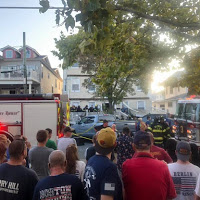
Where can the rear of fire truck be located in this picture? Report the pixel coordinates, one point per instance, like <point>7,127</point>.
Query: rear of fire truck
<point>26,114</point>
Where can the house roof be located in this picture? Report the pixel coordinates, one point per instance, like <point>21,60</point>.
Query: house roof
<point>176,98</point>
<point>31,49</point>
<point>9,47</point>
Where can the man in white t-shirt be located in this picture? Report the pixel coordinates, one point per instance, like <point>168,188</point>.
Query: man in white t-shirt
<point>184,173</point>
<point>65,141</point>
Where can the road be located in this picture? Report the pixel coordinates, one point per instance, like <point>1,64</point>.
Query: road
<point>82,148</point>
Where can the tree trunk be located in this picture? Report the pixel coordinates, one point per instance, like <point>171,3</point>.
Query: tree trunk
<point>111,107</point>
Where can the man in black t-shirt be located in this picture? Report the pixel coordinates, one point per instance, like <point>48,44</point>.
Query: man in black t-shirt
<point>101,176</point>
<point>16,181</point>
<point>59,185</point>
<point>104,125</point>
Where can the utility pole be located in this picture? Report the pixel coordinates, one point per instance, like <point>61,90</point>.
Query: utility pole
<point>24,63</point>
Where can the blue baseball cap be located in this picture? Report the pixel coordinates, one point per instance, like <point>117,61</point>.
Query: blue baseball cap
<point>142,139</point>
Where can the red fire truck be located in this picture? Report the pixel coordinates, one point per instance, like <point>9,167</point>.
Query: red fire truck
<point>26,114</point>
<point>187,121</point>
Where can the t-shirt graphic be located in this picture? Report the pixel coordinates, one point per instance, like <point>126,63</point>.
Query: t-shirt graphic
<point>61,193</point>
<point>184,184</point>
<point>185,179</point>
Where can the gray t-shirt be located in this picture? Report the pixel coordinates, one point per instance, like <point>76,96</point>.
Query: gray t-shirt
<point>39,157</point>
<point>185,178</point>
<point>64,142</point>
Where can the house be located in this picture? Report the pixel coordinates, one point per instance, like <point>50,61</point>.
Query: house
<point>41,78</point>
<point>171,94</point>
<point>73,78</point>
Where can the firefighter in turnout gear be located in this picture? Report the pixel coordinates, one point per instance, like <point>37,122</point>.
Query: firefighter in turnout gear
<point>161,131</point>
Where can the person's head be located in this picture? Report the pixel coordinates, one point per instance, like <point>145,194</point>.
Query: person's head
<point>57,160</point>
<point>126,131</point>
<point>140,119</point>
<point>142,141</point>
<point>4,140</point>
<point>71,157</point>
<point>42,136</point>
<point>113,127</point>
<point>162,120</point>
<point>68,131</point>
<point>105,123</point>
<point>17,150</point>
<point>2,152</point>
<point>148,117</point>
<point>105,141</point>
<point>183,151</point>
<point>49,131</point>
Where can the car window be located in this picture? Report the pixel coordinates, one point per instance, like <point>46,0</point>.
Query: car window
<point>88,120</point>
<point>109,118</point>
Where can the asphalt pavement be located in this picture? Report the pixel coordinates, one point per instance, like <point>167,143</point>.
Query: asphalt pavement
<point>82,148</point>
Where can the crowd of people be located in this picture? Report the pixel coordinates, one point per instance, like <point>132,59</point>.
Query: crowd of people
<point>116,168</point>
<point>74,108</point>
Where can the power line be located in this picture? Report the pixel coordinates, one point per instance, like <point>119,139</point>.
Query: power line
<point>6,7</point>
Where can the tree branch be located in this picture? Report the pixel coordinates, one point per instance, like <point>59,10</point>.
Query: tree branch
<point>158,19</point>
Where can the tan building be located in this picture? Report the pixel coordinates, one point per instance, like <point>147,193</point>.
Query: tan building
<point>167,99</point>
<point>41,78</point>
<point>140,103</point>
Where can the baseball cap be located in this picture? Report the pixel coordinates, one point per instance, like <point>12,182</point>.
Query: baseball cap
<point>105,141</point>
<point>68,129</point>
<point>105,121</point>
<point>142,139</point>
<point>183,150</point>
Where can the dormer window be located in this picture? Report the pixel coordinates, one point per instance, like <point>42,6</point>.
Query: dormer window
<point>28,53</point>
<point>9,54</point>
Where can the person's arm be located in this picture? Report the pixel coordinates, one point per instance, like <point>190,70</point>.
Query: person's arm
<point>106,197</point>
<point>197,189</point>
<point>54,146</point>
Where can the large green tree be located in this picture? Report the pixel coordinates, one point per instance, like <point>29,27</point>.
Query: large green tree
<point>178,20</point>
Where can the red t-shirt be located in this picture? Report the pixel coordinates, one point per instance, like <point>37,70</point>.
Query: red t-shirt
<point>147,178</point>
<point>160,154</point>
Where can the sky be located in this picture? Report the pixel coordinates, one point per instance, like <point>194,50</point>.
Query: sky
<point>40,28</point>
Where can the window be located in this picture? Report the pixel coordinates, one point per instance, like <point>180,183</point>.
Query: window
<point>162,106</point>
<point>9,54</point>
<point>91,103</point>
<point>75,84</point>
<point>48,75</point>
<point>52,89</point>
<point>171,90</point>
<point>75,65</point>
<point>169,104</point>
<point>28,53</point>
<point>75,103</point>
<point>55,83</point>
<point>65,85</point>
<point>166,90</point>
<point>141,105</point>
<point>138,88</point>
<point>91,88</point>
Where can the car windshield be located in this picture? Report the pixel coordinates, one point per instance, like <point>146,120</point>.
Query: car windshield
<point>188,111</point>
<point>109,118</point>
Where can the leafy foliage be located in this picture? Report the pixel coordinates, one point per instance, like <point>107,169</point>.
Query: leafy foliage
<point>121,42</point>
